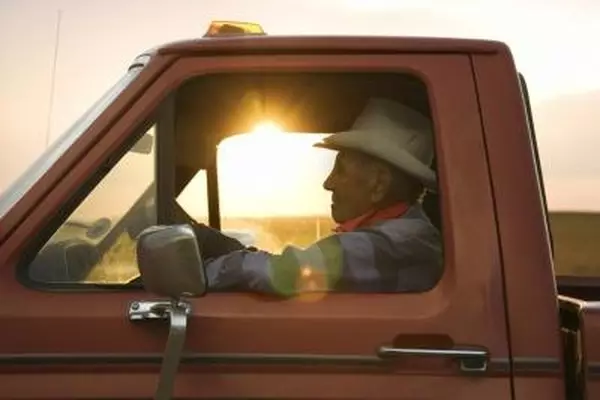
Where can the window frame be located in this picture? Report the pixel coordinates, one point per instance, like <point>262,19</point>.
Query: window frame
<point>225,315</point>
<point>164,190</point>
<point>162,117</point>
<point>165,163</point>
<point>191,68</point>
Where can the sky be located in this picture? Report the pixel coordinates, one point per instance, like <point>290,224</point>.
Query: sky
<point>554,43</point>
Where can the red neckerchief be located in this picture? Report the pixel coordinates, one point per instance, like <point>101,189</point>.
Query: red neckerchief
<point>395,211</point>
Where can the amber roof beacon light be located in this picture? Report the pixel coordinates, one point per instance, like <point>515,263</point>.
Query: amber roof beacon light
<point>232,28</point>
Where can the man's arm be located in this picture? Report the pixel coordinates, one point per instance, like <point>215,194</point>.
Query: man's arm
<point>282,274</point>
<point>359,261</point>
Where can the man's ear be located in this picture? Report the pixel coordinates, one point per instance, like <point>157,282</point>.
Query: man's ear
<point>381,183</point>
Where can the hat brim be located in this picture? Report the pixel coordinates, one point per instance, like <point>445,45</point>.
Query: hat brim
<point>394,155</point>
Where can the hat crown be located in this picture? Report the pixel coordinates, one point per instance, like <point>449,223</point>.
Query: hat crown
<point>393,133</point>
<point>396,125</point>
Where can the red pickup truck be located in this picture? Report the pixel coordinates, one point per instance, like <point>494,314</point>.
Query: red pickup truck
<point>76,323</point>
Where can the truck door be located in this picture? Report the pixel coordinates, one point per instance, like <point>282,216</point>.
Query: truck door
<point>537,354</point>
<point>66,329</point>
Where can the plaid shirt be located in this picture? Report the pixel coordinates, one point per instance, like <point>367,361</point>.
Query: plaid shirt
<point>396,255</point>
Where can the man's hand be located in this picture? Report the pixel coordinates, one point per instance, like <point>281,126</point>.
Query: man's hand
<point>213,243</point>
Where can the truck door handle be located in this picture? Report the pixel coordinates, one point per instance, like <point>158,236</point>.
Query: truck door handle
<point>470,359</point>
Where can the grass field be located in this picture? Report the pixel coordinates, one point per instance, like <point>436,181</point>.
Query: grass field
<point>576,239</point>
<point>272,234</point>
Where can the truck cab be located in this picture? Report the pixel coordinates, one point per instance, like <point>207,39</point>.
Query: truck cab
<point>181,137</point>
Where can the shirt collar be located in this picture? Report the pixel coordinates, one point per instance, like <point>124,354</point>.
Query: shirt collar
<point>371,217</point>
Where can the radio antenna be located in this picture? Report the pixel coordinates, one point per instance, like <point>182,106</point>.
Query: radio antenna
<point>53,77</point>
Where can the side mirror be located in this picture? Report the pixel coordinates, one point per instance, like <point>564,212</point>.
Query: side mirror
<point>170,263</point>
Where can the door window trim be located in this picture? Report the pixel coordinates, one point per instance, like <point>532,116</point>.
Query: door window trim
<point>437,298</point>
<point>63,213</point>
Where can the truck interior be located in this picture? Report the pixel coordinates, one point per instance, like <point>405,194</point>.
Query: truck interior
<point>208,110</point>
<point>307,103</point>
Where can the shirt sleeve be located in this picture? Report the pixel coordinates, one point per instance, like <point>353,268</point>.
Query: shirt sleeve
<point>293,270</point>
<point>358,261</point>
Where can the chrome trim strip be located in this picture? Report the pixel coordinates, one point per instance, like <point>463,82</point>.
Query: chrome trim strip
<point>522,365</point>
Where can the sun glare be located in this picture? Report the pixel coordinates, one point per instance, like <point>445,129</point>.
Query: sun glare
<point>262,172</point>
<point>266,172</point>
<point>267,128</point>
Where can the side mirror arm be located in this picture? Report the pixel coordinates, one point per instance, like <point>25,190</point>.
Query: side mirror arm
<point>177,313</point>
<point>171,265</point>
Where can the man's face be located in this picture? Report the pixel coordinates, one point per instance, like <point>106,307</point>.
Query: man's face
<point>354,185</point>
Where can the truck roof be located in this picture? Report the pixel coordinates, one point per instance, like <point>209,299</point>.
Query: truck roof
<point>328,44</point>
<point>269,44</point>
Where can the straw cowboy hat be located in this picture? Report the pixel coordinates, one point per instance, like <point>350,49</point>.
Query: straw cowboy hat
<point>393,133</point>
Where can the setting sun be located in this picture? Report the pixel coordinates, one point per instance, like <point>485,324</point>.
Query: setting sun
<point>267,128</point>
<point>266,175</point>
<point>271,172</point>
<point>266,172</point>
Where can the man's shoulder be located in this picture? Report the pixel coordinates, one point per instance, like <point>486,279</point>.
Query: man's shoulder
<point>413,223</point>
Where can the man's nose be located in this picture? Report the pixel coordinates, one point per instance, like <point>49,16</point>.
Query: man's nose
<point>328,183</point>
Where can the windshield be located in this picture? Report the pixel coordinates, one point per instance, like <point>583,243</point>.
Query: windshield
<point>43,163</point>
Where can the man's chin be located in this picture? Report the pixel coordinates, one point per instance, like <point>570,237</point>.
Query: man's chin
<point>337,218</point>
<point>341,216</point>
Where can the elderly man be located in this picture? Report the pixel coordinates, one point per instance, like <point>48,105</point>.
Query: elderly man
<point>384,242</point>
